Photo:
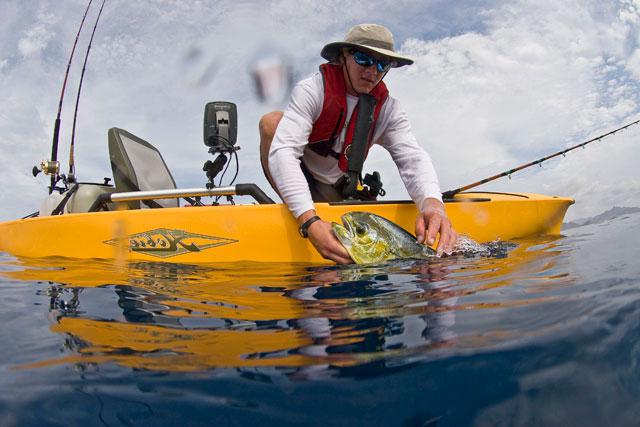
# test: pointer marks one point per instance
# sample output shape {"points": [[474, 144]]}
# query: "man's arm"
{"points": [[287, 148], [290, 140], [420, 179]]}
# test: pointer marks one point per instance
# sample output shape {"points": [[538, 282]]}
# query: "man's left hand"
{"points": [[433, 220]]}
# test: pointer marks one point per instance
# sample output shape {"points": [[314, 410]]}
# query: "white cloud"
{"points": [[36, 38], [34, 41], [532, 83], [494, 85]]}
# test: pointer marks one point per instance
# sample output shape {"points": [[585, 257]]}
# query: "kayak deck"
{"points": [[258, 232]]}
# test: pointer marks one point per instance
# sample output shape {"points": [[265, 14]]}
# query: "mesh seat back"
{"points": [[139, 166]]}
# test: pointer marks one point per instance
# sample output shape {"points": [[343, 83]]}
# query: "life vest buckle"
{"points": [[366, 189]]}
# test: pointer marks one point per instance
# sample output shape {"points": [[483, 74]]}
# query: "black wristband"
{"points": [[305, 226]]}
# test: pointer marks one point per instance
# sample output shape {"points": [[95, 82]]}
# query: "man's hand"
{"points": [[433, 221], [322, 237]]}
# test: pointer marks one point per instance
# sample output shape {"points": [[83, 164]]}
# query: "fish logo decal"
{"points": [[165, 242]]}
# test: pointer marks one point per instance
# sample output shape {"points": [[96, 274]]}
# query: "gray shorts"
{"points": [[320, 192]]}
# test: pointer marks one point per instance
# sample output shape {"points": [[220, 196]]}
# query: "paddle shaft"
{"points": [[449, 194]]}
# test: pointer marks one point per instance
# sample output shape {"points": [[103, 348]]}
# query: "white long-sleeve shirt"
{"points": [[393, 132]]}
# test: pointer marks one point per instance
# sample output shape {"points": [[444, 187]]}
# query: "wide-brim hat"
{"points": [[367, 37]]}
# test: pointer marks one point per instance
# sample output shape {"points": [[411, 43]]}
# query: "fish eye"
{"points": [[360, 229]]}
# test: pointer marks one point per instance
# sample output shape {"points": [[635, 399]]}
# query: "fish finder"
{"points": [[220, 126], [220, 133]]}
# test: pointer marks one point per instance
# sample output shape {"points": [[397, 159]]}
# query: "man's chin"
{"points": [[365, 88]]}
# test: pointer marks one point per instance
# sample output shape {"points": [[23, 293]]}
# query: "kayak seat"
{"points": [[139, 166]]}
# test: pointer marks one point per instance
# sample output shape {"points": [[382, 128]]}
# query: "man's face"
{"points": [[363, 78]]}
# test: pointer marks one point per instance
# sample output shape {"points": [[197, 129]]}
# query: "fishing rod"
{"points": [[48, 167], [449, 194], [71, 175]]}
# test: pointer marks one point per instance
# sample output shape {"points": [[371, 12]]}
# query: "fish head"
{"points": [[362, 236], [370, 238]]}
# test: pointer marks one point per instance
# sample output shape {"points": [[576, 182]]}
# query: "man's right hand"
{"points": [[322, 237], [325, 241]]}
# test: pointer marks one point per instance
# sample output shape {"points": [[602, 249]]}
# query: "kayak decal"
{"points": [[165, 242]]}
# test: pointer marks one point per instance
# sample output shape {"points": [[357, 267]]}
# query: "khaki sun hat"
{"points": [[368, 37]]}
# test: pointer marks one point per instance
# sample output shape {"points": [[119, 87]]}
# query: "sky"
{"points": [[495, 84]]}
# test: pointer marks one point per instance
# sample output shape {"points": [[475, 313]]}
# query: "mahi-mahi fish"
{"points": [[370, 238]]}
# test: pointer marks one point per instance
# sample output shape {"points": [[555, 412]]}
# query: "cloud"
{"points": [[494, 85], [538, 79], [36, 38]]}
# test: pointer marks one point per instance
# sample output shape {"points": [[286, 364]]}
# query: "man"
{"points": [[305, 150]]}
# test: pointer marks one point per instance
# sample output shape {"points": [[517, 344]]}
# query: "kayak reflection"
{"points": [[308, 322]]}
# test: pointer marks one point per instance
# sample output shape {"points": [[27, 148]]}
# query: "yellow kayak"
{"points": [[257, 232]]}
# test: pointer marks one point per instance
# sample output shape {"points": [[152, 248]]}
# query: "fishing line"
{"points": [[56, 128], [449, 194], [72, 168]]}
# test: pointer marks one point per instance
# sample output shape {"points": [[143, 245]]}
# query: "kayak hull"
{"points": [[264, 233]]}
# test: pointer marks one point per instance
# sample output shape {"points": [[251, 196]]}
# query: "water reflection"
{"points": [[307, 322]]}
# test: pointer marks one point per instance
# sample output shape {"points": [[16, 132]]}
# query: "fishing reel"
{"points": [[48, 167], [52, 168], [220, 133]]}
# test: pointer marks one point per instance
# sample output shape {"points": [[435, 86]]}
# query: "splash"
{"points": [[468, 247]]}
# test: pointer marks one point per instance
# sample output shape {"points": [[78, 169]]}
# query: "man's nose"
{"points": [[371, 69]]}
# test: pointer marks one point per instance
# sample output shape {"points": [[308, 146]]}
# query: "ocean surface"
{"points": [[547, 334]]}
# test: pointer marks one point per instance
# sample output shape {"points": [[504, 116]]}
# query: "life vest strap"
{"points": [[324, 149]]}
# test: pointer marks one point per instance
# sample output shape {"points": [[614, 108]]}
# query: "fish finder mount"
{"points": [[220, 133]]}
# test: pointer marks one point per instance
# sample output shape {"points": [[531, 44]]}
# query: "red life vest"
{"points": [[326, 129]]}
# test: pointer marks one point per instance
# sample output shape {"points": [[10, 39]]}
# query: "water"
{"points": [[546, 335]]}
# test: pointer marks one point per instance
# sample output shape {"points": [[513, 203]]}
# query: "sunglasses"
{"points": [[367, 60]]}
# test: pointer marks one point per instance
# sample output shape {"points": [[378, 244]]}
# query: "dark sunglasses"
{"points": [[367, 60]]}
